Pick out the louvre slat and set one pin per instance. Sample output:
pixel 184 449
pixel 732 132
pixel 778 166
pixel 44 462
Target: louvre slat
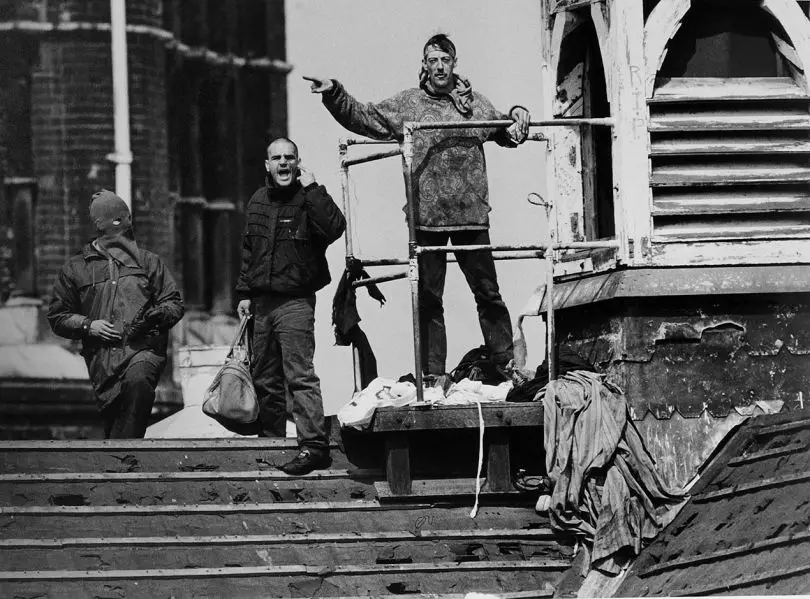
pixel 696 89
pixel 736 122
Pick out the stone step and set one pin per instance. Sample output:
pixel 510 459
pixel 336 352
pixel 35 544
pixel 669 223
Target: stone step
pixel 291 580
pixel 150 455
pixel 169 488
pixel 50 522
pixel 259 550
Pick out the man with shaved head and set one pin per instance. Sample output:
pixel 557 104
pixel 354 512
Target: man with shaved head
pixel 290 223
pixel 450 189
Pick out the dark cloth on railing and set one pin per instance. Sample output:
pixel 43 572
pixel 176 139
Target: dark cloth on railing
pixel 346 318
pixel 606 488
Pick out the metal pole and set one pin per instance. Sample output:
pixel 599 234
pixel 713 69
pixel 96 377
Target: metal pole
pixel 122 157
pixel 371 157
pixel 413 258
pixel 551 332
pixel 344 188
pixel 572 245
pixel 351 141
pixel 598 122
pixel 380 279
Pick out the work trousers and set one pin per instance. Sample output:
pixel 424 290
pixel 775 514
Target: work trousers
pixel 128 415
pixel 478 268
pixel 283 354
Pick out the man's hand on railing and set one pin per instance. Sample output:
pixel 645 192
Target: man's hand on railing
pixel 519 130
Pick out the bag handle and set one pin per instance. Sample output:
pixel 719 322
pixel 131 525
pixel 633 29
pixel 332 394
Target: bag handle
pixel 240 335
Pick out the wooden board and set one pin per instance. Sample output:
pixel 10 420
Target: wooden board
pixel 715 122
pixel 722 145
pixel 691 89
pixel 501 414
pixel 740 174
pixel 747 201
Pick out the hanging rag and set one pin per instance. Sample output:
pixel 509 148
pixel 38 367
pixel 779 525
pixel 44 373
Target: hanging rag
pixel 606 488
pixel 346 318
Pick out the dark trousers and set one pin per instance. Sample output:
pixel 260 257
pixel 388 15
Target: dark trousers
pixel 283 353
pixel 479 269
pixel 128 416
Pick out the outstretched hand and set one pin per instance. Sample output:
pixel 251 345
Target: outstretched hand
pixel 319 85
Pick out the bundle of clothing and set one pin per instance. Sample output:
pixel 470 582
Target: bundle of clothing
pixel 606 489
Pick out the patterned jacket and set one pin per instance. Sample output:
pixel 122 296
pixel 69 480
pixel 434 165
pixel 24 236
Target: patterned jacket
pixel 449 168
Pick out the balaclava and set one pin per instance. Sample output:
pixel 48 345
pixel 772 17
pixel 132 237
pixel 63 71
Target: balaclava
pixel 113 222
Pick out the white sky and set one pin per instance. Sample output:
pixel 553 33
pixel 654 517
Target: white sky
pixel 373 47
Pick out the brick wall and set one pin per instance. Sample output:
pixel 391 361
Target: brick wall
pixel 56 115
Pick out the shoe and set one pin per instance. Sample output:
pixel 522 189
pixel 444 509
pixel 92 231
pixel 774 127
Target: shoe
pixel 305 462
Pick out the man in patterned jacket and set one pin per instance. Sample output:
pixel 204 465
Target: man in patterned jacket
pixel 450 187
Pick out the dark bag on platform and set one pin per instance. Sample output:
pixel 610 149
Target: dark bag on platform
pixel 231 397
pixel 477 365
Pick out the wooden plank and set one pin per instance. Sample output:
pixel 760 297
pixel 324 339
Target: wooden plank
pixel 723 145
pixel 413 549
pixel 749 253
pixel 782 428
pixel 789 52
pixel 766 483
pixel 499 465
pixel 316 584
pixel 661 26
pixel 626 64
pixel 457 487
pixel 283 539
pixel 388 516
pixel 730 552
pixel 563 5
pixel 500 414
pixel 726 586
pixel 237 571
pixel 767 454
pixel 794 22
pixel 737 174
pixel 696 89
pixel 218 445
pixel 184 491
pixel 686 234
pixel 683 280
pixel 757 201
pixel 398 463
pixel 126 477
pixel 730 122
pixel 197 508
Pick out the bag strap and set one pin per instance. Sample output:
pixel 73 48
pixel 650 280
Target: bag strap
pixel 240 334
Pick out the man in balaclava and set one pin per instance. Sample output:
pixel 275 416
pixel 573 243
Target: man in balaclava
pixel 450 188
pixel 121 301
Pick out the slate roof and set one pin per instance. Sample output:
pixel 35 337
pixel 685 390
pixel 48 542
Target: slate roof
pixel 746 528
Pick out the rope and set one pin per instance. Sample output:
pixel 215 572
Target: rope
pixel 474 510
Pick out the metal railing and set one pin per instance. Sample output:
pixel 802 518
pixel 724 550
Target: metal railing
pixel 547 251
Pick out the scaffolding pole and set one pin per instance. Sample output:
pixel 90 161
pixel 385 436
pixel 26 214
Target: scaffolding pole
pixel 546 251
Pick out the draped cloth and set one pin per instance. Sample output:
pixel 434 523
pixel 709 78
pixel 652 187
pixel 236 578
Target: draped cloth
pixel 606 488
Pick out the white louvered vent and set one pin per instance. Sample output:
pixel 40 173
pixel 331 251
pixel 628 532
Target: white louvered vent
pixel 730 159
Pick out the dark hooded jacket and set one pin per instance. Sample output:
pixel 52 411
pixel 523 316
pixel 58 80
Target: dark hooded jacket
pixel 139 297
pixel 286 236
